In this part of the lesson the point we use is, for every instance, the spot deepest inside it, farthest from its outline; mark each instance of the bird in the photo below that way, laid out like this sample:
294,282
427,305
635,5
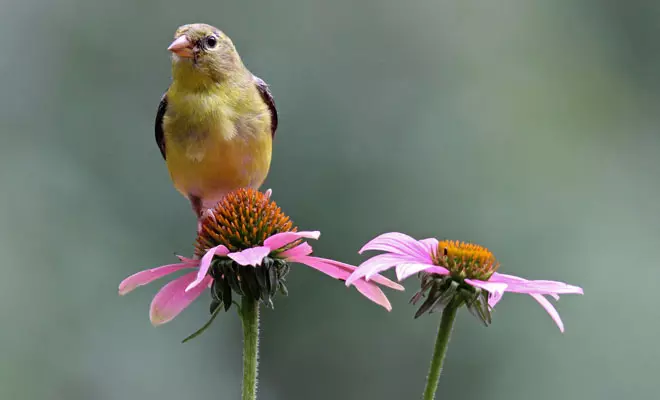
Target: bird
216,122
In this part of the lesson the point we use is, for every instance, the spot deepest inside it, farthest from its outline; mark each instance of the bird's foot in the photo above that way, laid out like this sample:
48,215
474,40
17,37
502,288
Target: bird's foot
204,214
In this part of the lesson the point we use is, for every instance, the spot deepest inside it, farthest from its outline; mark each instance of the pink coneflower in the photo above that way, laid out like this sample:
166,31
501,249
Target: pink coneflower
245,246
452,274
459,267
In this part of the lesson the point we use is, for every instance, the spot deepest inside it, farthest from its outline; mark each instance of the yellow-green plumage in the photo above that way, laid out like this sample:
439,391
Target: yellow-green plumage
218,123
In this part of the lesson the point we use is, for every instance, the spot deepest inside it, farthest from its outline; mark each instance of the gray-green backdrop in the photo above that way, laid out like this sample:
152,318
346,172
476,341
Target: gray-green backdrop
530,127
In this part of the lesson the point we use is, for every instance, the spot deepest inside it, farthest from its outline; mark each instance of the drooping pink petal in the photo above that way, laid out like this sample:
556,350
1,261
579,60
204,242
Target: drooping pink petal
374,293
253,256
303,249
405,270
280,240
495,290
521,285
550,309
173,298
537,287
494,298
380,263
398,243
147,276
322,265
341,271
490,287
378,279
205,264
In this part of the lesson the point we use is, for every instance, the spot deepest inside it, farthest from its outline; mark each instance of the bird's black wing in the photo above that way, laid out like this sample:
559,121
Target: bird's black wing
160,136
267,97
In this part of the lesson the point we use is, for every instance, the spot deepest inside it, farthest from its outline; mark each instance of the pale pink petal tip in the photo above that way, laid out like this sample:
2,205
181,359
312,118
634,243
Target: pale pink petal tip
268,193
187,260
373,293
253,256
550,309
172,298
303,249
280,240
147,276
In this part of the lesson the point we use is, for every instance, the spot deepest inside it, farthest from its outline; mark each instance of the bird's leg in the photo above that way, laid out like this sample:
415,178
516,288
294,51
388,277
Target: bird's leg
196,204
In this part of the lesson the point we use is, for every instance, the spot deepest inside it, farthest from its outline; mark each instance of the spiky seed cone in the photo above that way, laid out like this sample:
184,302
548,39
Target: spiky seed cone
465,260
243,219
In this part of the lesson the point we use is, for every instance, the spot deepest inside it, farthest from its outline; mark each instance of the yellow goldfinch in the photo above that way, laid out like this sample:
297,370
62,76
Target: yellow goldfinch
216,122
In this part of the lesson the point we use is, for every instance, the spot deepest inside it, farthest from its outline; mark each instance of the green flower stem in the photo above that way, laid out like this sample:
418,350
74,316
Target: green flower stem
444,332
250,319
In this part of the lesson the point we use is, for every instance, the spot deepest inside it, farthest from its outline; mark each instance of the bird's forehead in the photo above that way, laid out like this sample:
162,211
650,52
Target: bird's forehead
196,30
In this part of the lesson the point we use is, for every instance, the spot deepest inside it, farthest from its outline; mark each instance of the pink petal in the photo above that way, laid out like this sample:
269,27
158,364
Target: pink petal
173,298
405,270
520,285
339,270
398,243
494,298
538,287
497,277
438,270
495,290
303,249
379,279
431,244
147,276
321,264
380,263
550,309
373,293
280,240
490,287
253,256
187,260
205,264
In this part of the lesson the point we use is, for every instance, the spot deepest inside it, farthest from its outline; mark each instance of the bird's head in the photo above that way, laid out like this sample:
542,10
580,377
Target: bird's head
203,52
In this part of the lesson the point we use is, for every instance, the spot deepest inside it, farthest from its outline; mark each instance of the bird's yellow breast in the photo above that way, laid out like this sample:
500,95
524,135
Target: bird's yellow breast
216,143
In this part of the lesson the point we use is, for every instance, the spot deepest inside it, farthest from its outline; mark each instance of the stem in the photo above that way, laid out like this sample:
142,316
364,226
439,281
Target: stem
444,332
250,319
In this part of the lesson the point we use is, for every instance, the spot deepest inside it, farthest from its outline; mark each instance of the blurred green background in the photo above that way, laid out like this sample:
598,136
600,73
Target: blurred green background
530,127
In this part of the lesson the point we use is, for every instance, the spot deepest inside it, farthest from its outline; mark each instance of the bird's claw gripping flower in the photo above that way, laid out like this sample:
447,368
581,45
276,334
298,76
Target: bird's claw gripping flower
245,246
454,272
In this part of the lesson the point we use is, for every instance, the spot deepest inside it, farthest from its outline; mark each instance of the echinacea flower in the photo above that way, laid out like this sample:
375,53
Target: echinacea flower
452,274
245,245
456,271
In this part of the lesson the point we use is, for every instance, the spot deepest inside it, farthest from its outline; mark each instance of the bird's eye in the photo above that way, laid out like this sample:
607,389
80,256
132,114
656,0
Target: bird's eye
211,42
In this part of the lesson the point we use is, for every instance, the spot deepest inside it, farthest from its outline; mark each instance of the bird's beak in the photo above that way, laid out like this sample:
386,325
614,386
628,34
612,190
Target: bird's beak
182,47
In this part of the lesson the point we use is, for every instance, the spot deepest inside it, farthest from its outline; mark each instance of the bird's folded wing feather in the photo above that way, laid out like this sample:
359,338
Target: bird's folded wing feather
267,97
160,136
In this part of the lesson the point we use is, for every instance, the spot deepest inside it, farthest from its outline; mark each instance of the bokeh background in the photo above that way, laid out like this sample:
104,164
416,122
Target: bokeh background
531,127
